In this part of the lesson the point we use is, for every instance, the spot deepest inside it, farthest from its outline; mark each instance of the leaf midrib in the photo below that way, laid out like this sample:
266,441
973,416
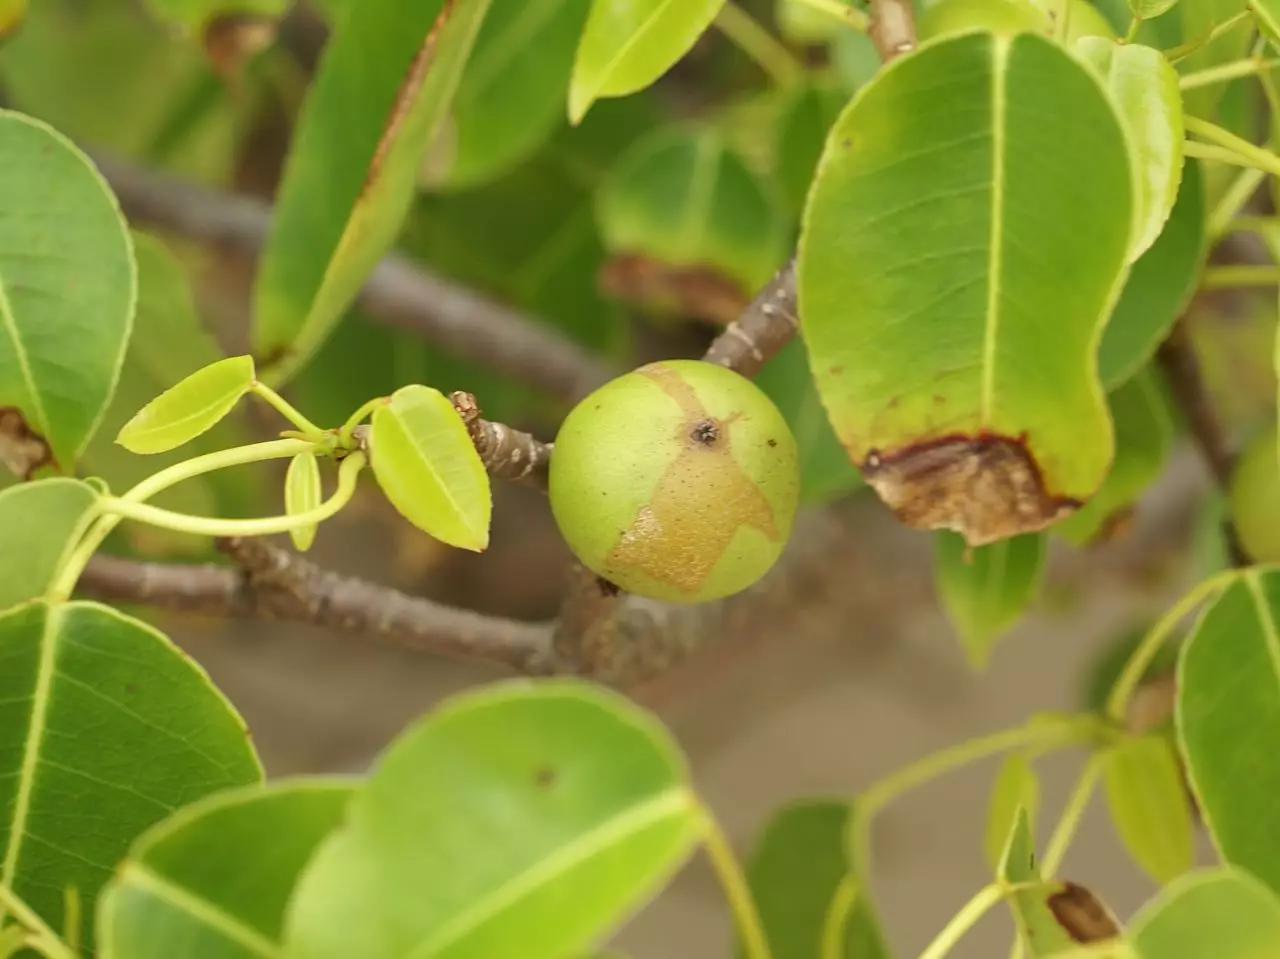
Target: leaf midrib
24,361
647,813
991,332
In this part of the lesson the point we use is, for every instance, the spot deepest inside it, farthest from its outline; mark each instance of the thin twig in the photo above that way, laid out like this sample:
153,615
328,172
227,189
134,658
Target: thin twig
506,453
399,292
893,28
1177,357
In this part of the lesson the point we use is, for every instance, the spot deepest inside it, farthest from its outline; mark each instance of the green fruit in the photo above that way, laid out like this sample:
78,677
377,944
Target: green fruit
677,481
1255,499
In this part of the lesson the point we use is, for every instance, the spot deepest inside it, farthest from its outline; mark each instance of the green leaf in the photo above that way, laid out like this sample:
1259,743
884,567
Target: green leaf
1255,511
67,291
1144,433
627,46
1050,916
484,820
801,23
680,197
798,872
986,589
1228,721
1213,914
1160,286
511,95
212,881
105,728
190,408
429,469
1016,789
1149,805
1144,88
1107,666
949,17
41,521
385,82
200,14
302,493
1149,9
803,126
952,309
825,471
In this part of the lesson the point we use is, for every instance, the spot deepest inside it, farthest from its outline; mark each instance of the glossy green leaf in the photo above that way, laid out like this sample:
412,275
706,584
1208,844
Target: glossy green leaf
67,291
1149,9
105,728
384,86
1050,916
1016,788
948,17
199,14
168,344
958,371
628,44
1228,721
1144,433
511,95
41,521
680,197
212,881
1213,914
1149,806
798,873
490,815
429,469
986,589
825,470
1255,508
1193,25
1144,88
189,408
1160,286
302,493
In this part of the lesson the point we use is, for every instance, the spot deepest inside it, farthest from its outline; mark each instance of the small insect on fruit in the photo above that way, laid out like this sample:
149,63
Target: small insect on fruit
677,481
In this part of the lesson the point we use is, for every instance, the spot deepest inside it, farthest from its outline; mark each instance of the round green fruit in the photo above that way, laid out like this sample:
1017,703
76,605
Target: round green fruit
677,481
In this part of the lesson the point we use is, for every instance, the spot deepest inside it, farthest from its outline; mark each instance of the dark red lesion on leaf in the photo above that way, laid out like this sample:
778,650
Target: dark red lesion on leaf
664,541
1082,915
986,487
22,450
697,291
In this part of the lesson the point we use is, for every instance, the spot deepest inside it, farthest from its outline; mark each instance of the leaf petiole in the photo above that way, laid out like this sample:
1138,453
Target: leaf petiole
286,409
356,418
755,944
1250,154
1226,71
42,938
1235,277
964,920
759,44
1065,830
838,10
348,473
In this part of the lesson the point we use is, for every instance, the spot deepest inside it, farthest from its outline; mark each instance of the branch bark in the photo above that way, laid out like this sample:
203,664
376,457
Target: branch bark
399,293
893,28
506,453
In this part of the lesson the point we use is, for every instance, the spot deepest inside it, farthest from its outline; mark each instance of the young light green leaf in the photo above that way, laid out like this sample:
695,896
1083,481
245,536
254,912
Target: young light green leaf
801,23
429,469
798,874
41,520
1212,914
959,371
511,95
1228,721
627,46
681,198
188,409
825,471
487,817
1016,788
986,589
1144,433
1160,285
1150,9
948,17
1149,807
101,712
1144,88
67,291
1051,917
385,83
1255,508
302,493
174,894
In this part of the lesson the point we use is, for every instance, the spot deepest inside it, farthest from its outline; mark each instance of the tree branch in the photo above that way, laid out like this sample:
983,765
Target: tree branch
1177,358
893,28
399,293
506,453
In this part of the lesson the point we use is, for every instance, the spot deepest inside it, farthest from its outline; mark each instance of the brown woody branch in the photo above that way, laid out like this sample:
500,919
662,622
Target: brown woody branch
506,453
1177,358
399,293
893,28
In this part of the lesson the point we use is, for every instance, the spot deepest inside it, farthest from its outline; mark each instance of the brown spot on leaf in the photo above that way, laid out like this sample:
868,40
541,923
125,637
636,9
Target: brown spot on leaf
22,450
664,541
986,488
772,443
131,688
697,292
407,95
1082,915
545,777
231,39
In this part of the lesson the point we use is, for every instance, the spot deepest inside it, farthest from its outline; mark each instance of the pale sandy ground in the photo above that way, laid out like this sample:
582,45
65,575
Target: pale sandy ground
823,709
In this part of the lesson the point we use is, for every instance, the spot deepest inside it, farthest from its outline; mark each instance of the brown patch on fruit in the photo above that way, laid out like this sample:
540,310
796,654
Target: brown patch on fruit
986,488
1082,915
666,543
22,450
697,292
